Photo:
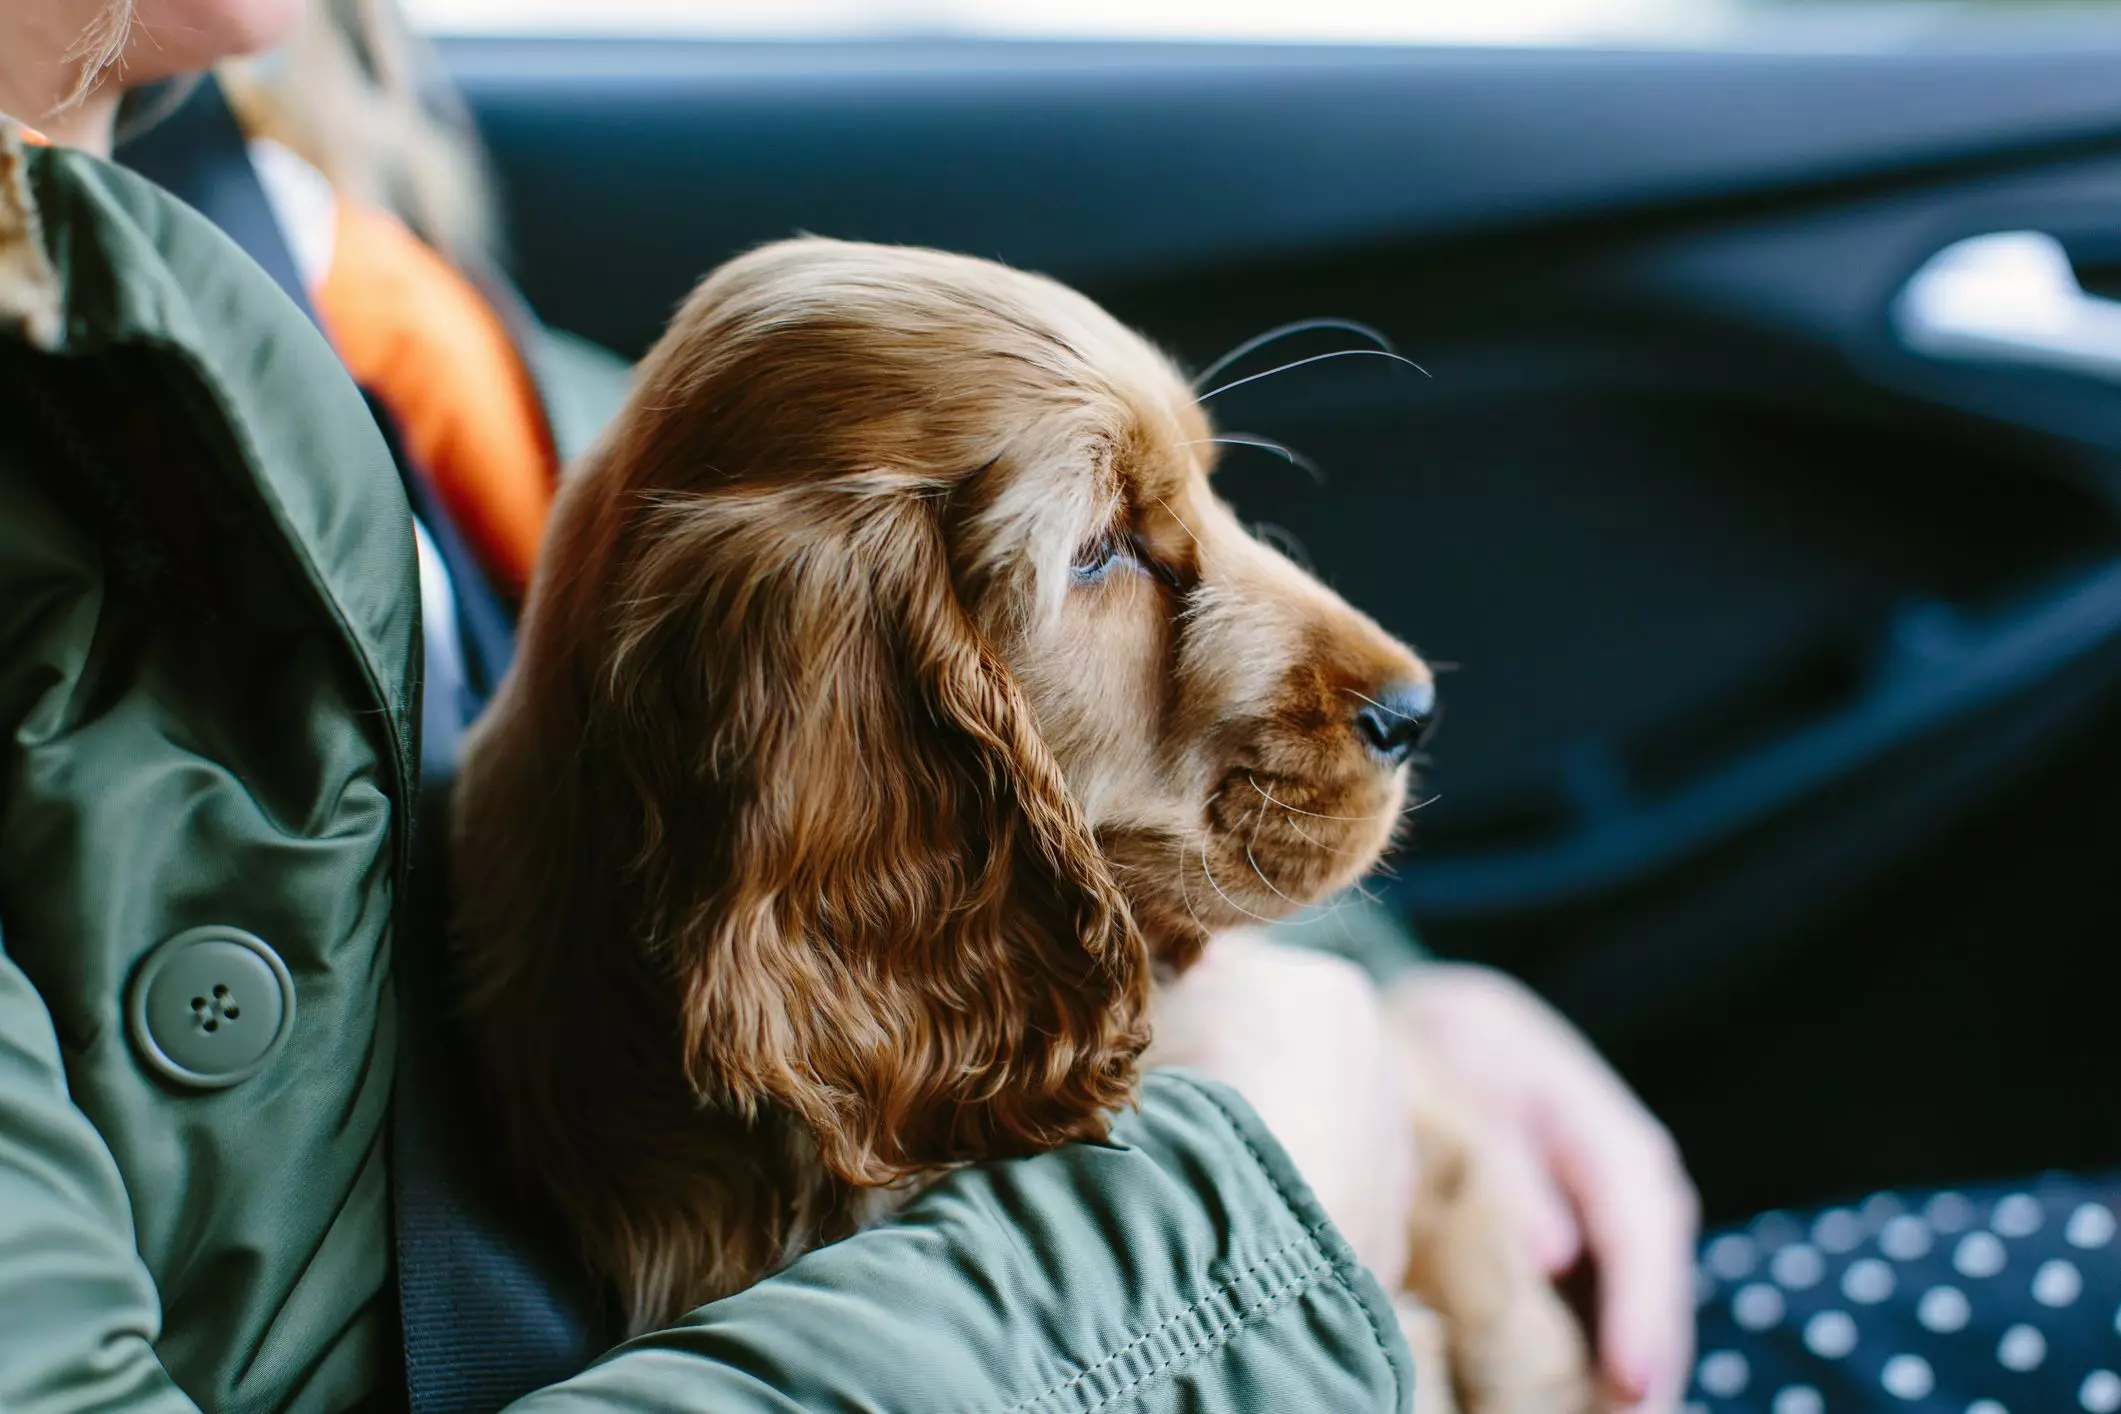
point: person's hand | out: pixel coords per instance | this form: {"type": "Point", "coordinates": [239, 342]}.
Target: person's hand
{"type": "Point", "coordinates": [1589, 1171]}
{"type": "Point", "coordinates": [1303, 1037]}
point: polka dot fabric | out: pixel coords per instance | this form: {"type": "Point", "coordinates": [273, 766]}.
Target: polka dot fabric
{"type": "Point", "coordinates": [2004, 1302]}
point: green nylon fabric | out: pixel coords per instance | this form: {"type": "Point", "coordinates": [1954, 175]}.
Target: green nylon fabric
{"type": "Point", "coordinates": [223, 735]}
{"type": "Point", "coordinates": [1183, 1267]}
{"type": "Point", "coordinates": [188, 751]}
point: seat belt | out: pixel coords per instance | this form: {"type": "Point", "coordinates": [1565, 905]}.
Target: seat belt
{"type": "Point", "coordinates": [490, 1307]}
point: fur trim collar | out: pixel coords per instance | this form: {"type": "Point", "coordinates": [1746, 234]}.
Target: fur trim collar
{"type": "Point", "coordinates": [29, 286]}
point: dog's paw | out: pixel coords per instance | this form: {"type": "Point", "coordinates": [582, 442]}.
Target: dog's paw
{"type": "Point", "coordinates": [1529, 1358]}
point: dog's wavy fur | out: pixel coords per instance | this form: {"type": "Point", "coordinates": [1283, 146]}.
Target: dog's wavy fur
{"type": "Point", "coordinates": [894, 697]}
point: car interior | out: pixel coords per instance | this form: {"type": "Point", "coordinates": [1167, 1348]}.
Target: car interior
{"type": "Point", "coordinates": [1776, 557]}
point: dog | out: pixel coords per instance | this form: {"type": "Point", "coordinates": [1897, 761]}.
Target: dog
{"type": "Point", "coordinates": [897, 704]}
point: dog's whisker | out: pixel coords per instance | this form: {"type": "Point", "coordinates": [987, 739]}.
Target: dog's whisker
{"type": "Point", "coordinates": [1306, 836]}
{"type": "Point", "coordinates": [1403, 716]}
{"type": "Point", "coordinates": [1313, 814]}
{"type": "Point", "coordinates": [1206, 869]}
{"type": "Point", "coordinates": [1185, 896]}
{"type": "Point", "coordinates": [1265, 880]}
{"type": "Point", "coordinates": [1181, 523]}
{"type": "Point", "coordinates": [1314, 358]}
{"type": "Point", "coordinates": [1318, 912]}
{"type": "Point", "coordinates": [1284, 540]}
{"type": "Point", "coordinates": [1266, 444]}
{"type": "Point", "coordinates": [1276, 335]}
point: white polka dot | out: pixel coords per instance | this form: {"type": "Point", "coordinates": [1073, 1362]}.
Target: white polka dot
{"type": "Point", "coordinates": [1986, 1406]}
{"type": "Point", "coordinates": [1881, 1208]}
{"type": "Point", "coordinates": [2090, 1227]}
{"type": "Point", "coordinates": [1797, 1266]}
{"type": "Point", "coordinates": [1837, 1230]}
{"type": "Point", "coordinates": [1798, 1399]}
{"type": "Point", "coordinates": [1775, 1228]}
{"type": "Point", "coordinates": [2057, 1284]}
{"type": "Point", "coordinates": [2101, 1392]}
{"type": "Point", "coordinates": [2022, 1348]}
{"type": "Point", "coordinates": [2117, 1322]}
{"type": "Point", "coordinates": [1978, 1255]}
{"type": "Point", "coordinates": [2017, 1215]}
{"type": "Point", "coordinates": [1907, 1377]}
{"type": "Point", "coordinates": [1704, 1287]}
{"type": "Point", "coordinates": [1944, 1310]}
{"type": "Point", "coordinates": [1724, 1374]}
{"type": "Point", "coordinates": [1731, 1257]}
{"type": "Point", "coordinates": [1694, 1407]}
{"type": "Point", "coordinates": [1905, 1238]}
{"type": "Point", "coordinates": [1867, 1282]}
{"type": "Point", "coordinates": [1830, 1335]}
{"type": "Point", "coordinates": [1948, 1212]}
{"type": "Point", "coordinates": [1756, 1307]}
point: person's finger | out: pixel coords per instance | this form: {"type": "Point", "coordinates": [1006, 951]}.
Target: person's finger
{"type": "Point", "coordinates": [1525, 1182]}
{"type": "Point", "coordinates": [1639, 1217]}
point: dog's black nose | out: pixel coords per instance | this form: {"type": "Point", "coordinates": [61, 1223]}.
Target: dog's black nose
{"type": "Point", "coordinates": [1395, 719]}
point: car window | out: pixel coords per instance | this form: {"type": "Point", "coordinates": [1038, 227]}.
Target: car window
{"type": "Point", "coordinates": [1804, 23]}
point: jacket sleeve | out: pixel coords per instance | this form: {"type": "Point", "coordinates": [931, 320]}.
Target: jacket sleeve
{"type": "Point", "coordinates": [1180, 1266]}
{"type": "Point", "coordinates": [80, 1311]}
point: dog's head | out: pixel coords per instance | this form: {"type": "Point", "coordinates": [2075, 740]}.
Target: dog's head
{"type": "Point", "coordinates": [899, 669]}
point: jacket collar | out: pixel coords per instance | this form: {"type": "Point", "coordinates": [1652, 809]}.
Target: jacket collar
{"type": "Point", "coordinates": [111, 261]}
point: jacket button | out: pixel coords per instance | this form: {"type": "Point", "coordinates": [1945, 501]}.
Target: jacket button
{"type": "Point", "coordinates": [211, 1007]}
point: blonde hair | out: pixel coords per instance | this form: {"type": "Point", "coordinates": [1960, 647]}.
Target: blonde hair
{"type": "Point", "coordinates": [100, 48]}
{"type": "Point", "coordinates": [361, 98]}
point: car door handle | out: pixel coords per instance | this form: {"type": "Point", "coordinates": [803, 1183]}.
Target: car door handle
{"type": "Point", "coordinates": [2009, 298]}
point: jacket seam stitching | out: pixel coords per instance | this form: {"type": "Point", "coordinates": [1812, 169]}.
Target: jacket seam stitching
{"type": "Point", "coordinates": [1219, 1336]}
{"type": "Point", "coordinates": [1193, 1308]}
{"type": "Point", "coordinates": [1328, 1264]}
{"type": "Point", "coordinates": [1369, 1316]}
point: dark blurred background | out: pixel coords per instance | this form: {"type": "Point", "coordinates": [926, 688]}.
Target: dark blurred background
{"type": "Point", "coordinates": [1786, 601]}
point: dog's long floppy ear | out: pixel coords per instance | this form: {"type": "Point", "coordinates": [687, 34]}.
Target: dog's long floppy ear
{"type": "Point", "coordinates": [766, 885]}
{"type": "Point", "coordinates": [854, 854]}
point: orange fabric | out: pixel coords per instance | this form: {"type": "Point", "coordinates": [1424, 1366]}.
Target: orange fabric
{"type": "Point", "coordinates": [418, 335]}
{"type": "Point", "coordinates": [34, 138]}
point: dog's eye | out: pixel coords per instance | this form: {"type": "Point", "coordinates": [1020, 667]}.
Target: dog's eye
{"type": "Point", "coordinates": [1100, 557]}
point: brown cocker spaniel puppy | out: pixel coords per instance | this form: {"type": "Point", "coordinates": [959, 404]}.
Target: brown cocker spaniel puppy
{"type": "Point", "coordinates": [895, 700]}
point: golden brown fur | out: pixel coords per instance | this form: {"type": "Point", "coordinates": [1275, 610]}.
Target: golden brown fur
{"type": "Point", "coordinates": [847, 792]}
{"type": "Point", "coordinates": [1510, 1343]}
{"type": "Point", "coordinates": [29, 288]}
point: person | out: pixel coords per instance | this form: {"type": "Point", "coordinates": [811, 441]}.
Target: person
{"type": "Point", "coordinates": [209, 667]}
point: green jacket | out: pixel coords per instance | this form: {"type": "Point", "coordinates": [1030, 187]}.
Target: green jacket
{"type": "Point", "coordinates": [208, 717]}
